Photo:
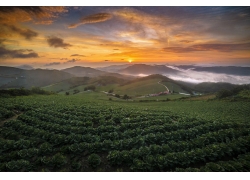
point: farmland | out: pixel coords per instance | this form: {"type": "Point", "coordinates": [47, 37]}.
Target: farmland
{"type": "Point", "coordinates": [88, 132]}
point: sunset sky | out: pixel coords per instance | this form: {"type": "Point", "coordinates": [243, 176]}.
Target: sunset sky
{"type": "Point", "coordinates": [59, 37]}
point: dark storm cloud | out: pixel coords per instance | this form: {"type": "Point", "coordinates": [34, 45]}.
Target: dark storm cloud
{"type": "Point", "coordinates": [79, 55]}
{"type": "Point", "coordinates": [27, 33]}
{"type": "Point", "coordinates": [52, 64]}
{"type": "Point", "coordinates": [210, 47]}
{"type": "Point", "coordinates": [57, 42]}
{"type": "Point", "coordinates": [20, 53]}
{"type": "Point", "coordinates": [94, 18]}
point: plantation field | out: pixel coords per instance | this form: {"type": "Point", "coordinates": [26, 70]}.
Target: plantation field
{"type": "Point", "coordinates": [88, 132]}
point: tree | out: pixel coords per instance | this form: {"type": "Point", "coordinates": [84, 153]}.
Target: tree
{"type": "Point", "coordinates": [91, 87]}
{"type": "Point", "coordinates": [223, 93]}
{"type": "Point", "coordinates": [126, 97]}
{"type": "Point", "coordinates": [76, 91]}
{"type": "Point", "coordinates": [111, 91]}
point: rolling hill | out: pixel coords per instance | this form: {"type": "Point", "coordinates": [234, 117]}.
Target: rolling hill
{"type": "Point", "coordinates": [149, 85]}
{"type": "Point", "coordinates": [143, 69]}
{"type": "Point", "coordinates": [80, 83]}
{"type": "Point", "coordinates": [80, 71]}
{"type": "Point", "coordinates": [16, 78]}
{"type": "Point", "coordinates": [114, 68]}
{"type": "Point", "coordinates": [25, 67]}
{"type": "Point", "coordinates": [67, 84]}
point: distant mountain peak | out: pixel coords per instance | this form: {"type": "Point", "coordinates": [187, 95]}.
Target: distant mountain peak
{"type": "Point", "coordinates": [25, 67]}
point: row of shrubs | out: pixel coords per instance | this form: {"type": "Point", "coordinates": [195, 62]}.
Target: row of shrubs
{"type": "Point", "coordinates": [23, 92]}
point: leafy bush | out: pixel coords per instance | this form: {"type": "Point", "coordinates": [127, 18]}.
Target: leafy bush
{"type": "Point", "coordinates": [91, 87]}
{"type": "Point", "coordinates": [59, 160]}
{"type": "Point", "coordinates": [94, 160]}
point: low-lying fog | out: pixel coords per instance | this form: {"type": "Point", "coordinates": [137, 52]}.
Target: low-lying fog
{"type": "Point", "coordinates": [192, 76]}
{"type": "Point", "coordinates": [189, 75]}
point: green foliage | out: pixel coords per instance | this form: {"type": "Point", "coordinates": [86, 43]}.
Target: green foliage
{"type": "Point", "coordinates": [91, 87]}
{"type": "Point", "coordinates": [94, 160]}
{"type": "Point", "coordinates": [58, 160]}
{"type": "Point", "coordinates": [223, 93]}
{"type": "Point", "coordinates": [23, 92]}
{"type": "Point", "coordinates": [126, 97]}
{"type": "Point", "coordinates": [82, 133]}
{"type": "Point", "coordinates": [244, 94]}
{"type": "Point", "coordinates": [111, 91]}
{"type": "Point", "coordinates": [235, 91]}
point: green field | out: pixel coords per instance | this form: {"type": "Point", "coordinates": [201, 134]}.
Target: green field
{"type": "Point", "coordinates": [89, 132]}
{"type": "Point", "coordinates": [62, 86]}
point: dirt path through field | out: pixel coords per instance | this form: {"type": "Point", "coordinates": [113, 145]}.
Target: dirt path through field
{"type": "Point", "coordinates": [163, 85]}
{"type": "Point", "coordinates": [13, 117]}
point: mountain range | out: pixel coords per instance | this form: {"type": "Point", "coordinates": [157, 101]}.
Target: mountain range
{"type": "Point", "coordinates": [26, 76]}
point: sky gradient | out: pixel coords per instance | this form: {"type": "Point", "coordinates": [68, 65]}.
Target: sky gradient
{"type": "Point", "coordinates": [59, 37]}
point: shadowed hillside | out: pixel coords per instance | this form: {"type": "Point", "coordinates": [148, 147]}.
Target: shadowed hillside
{"type": "Point", "coordinates": [17, 78]}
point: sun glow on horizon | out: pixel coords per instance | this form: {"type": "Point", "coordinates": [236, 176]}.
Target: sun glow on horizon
{"type": "Point", "coordinates": [130, 60]}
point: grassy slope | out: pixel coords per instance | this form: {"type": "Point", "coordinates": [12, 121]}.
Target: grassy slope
{"type": "Point", "coordinates": [172, 86]}
{"type": "Point", "coordinates": [67, 84]}
{"type": "Point", "coordinates": [57, 87]}
{"type": "Point", "coordinates": [140, 88]}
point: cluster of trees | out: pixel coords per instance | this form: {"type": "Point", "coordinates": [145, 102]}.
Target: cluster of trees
{"type": "Point", "coordinates": [23, 92]}
{"type": "Point", "coordinates": [91, 87]}
{"type": "Point", "coordinates": [125, 96]}
{"type": "Point", "coordinates": [235, 91]}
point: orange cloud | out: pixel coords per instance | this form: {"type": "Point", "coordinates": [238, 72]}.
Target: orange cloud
{"type": "Point", "coordinates": [210, 47]}
{"type": "Point", "coordinates": [13, 14]}
{"type": "Point", "coordinates": [95, 18]}
{"type": "Point", "coordinates": [27, 33]}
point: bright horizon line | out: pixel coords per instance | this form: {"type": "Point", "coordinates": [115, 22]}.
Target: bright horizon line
{"type": "Point", "coordinates": [119, 64]}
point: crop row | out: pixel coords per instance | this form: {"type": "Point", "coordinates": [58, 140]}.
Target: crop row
{"type": "Point", "coordinates": [241, 164]}
{"type": "Point", "coordinates": [151, 136]}
{"type": "Point", "coordinates": [121, 141]}
{"type": "Point", "coordinates": [127, 157]}
{"type": "Point", "coordinates": [5, 113]}
{"type": "Point", "coordinates": [123, 130]}
{"type": "Point", "coordinates": [170, 161]}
